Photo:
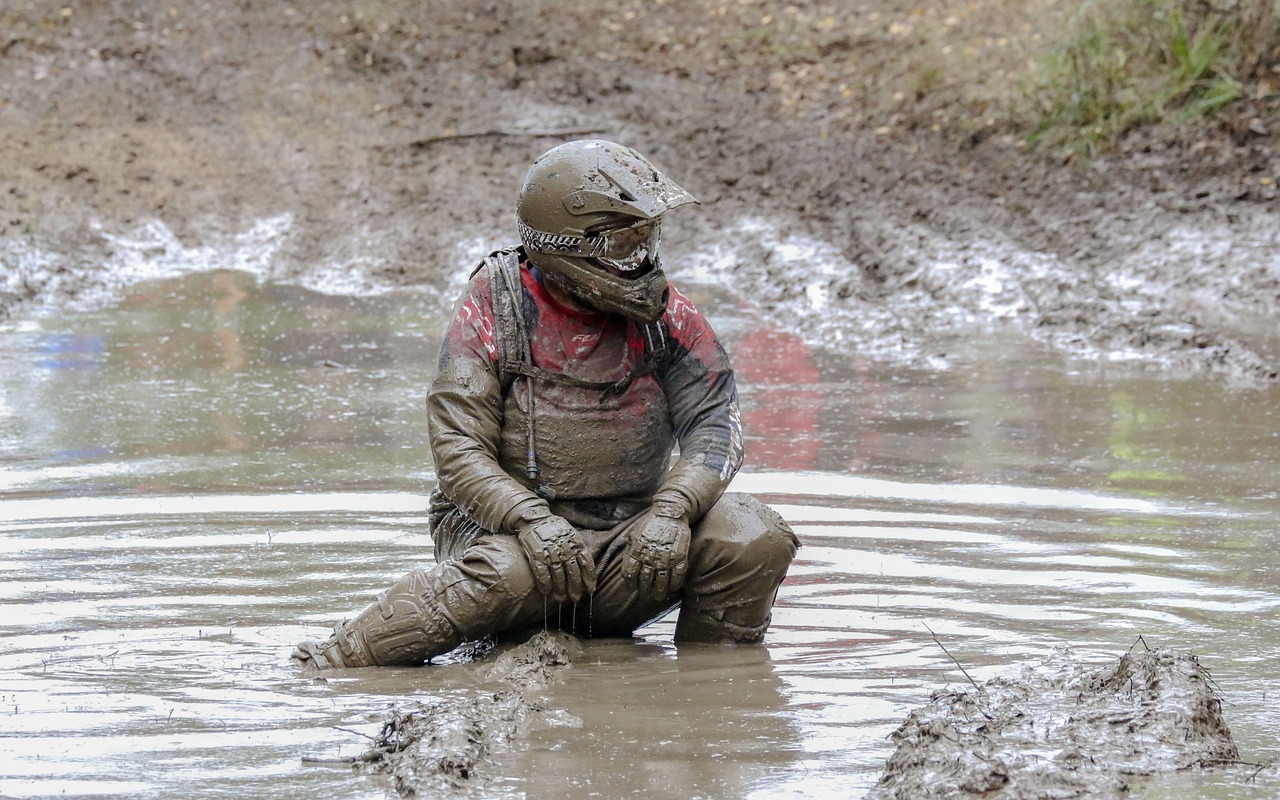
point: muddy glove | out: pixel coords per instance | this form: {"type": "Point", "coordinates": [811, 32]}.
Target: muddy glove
{"type": "Point", "coordinates": [562, 567]}
{"type": "Point", "coordinates": [658, 551]}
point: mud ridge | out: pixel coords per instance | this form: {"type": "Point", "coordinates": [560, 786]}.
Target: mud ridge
{"type": "Point", "coordinates": [1062, 730]}
{"type": "Point", "coordinates": [444, 747]}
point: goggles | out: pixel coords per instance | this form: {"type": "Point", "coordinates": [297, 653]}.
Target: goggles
{"type": "Point", "coordinates": [623, 249]}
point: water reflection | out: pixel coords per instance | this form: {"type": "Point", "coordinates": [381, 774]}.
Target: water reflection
{"type": "Point", "coordinates": [213, 376]}
{"type": "Point", "coordinates": [700, 722]}
{"type": "Point", "coordinates": [783, 418]}
{"type": "Point", "coordinates": [193, 480]}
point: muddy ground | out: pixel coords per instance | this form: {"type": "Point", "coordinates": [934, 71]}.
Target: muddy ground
{"type": "Point", "coordinates": [360, 145]}
{"type": "Point", "coordinates": [447, 747]}
{"type": "Point", "coordinates": [1064, 730]}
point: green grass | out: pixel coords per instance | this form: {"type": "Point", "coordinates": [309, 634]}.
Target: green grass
{"type": "Point", "coordinates": [1123, 64]}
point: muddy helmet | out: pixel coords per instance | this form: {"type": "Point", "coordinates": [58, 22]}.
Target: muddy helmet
{"type": "Point", "coordinates": [588, 217]}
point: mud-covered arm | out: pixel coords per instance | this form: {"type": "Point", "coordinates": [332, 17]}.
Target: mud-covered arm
{"type": "Point", "coordinates": [703, 399]}
{"type": "Point", "coordinates": [464, 417]}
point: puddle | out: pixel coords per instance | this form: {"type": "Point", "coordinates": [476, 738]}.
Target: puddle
{"type": "Point", "coordinates": [216, 467]}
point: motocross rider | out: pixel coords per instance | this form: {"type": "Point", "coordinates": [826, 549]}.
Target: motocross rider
{"type": "Point", "coordinates": [571, 371]}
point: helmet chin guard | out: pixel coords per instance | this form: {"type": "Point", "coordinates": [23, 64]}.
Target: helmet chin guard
{"type": "Point", "coordinates": [641, 299]}
{"type": "Point", "coordinates": [588, 218]}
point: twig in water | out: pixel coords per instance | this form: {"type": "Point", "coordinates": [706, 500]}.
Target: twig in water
{"type": "Point", "coordinates": [1143, 641]}
{"type": "Point", "coordinates": [422, 144]}
{"type": "Point", "coordinates": [1209, 677]}
{"type": "Point", "coordinates": [953, 658]}
{"type": "Point", "coordinates": [318, 760]}
{"type": "Point", "coordinates": [357, 733]}
{"type": "Point", "coordinates": [372, 754]}
{"type": "Point", "coordinates": [1228, 762]}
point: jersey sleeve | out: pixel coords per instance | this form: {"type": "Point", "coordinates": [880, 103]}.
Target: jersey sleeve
{"type": "Point", "coordinates": [464, 417]}
{"type": "Point", "coordinates": [703, 399]}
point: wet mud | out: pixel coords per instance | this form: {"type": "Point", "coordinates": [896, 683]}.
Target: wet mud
{"type": "Point", "coordinates": [1061, 730]}
{"type": "Point", "coordinates": [358, 147]}
{"type": "Point", "coordinates": [447, 746]}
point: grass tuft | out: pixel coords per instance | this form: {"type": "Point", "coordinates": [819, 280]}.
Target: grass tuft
{"type": "Point", "coordinates": [1122, 64]}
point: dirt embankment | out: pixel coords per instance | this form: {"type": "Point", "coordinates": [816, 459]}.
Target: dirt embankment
{"type": "Point", "coordinates": [360, 145]}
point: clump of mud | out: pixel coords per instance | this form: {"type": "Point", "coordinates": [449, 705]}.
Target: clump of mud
{"type": "Point", "coordinates": [1061, 730]}
{"type": "Point", "coordinates": [443, 747]}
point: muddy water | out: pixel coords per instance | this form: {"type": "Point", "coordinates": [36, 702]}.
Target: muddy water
{"type": "Point", "coordinates": [196, 478]}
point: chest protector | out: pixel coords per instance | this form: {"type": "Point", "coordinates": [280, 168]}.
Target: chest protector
{"type": "Point", "coordinates": [567, 437]}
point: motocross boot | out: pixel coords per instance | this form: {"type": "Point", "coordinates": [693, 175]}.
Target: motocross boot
{"type": "Point", "coordinates": [405, 627]}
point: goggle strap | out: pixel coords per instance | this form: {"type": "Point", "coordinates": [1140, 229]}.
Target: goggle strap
{"type": "Point", "coordinates": [554, 243]}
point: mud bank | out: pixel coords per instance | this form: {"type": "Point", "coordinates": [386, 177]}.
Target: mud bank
{"type": "Point", "coordinates": [1063, 730]}
{"type": "Point", "coordinates": [1183, 296]}
{"type": "Point", "coordinates": [445, 747]}
{"type": "Point", "coordinates": [360, 147]}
